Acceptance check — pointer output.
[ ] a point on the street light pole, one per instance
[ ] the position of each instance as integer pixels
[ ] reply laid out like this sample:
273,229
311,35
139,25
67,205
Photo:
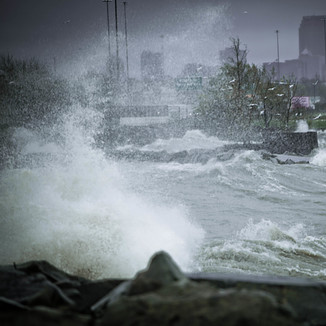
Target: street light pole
126,39
314,84
324,19
116,38
108,21
278,56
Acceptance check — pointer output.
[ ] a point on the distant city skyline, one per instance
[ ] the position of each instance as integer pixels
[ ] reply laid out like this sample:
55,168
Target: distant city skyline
310,62
75,32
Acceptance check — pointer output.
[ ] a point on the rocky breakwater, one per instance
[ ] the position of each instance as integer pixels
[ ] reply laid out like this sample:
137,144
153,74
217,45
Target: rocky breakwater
279,147
280,142
36,293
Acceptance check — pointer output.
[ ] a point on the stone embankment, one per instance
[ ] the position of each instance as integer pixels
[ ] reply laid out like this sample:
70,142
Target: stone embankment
279,147
37,293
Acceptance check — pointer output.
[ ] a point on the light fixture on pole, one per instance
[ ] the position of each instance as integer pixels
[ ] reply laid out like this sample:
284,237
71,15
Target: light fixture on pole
324,19
108,22
315,84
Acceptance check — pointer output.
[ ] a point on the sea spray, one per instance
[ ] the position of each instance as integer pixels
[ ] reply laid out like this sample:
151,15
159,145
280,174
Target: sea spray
302,126
73,208
193,139
319,158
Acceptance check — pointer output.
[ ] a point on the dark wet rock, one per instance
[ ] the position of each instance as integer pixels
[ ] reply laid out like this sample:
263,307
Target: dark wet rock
46,269
279,147
178,156
37,293
31,290
198,305
44,316
161,271
306,297
92,292
286,159
162,295
40,283
191,156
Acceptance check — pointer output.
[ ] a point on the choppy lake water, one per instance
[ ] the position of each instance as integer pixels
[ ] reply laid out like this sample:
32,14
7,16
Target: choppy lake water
69,203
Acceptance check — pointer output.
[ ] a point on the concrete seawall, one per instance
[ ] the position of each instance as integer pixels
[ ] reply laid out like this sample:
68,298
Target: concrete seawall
300,143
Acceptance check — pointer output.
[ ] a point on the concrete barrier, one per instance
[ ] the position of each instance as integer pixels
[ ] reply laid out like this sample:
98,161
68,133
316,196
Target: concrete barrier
300,143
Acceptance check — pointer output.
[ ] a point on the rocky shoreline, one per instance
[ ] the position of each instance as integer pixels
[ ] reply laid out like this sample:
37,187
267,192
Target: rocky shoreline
37,293
279,147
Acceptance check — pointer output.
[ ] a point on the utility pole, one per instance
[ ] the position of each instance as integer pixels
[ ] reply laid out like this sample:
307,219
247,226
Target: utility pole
278,56
314,84
108,21
324,19
116,38
126,39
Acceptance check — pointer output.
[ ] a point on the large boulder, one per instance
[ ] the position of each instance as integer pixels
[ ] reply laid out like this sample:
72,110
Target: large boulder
37,293
163,295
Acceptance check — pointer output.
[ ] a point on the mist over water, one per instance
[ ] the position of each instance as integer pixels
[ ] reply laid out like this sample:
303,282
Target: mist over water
184,35
65,200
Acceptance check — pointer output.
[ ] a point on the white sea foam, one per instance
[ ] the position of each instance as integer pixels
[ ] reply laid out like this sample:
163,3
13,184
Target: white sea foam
267,230
196,168
193,139
77,213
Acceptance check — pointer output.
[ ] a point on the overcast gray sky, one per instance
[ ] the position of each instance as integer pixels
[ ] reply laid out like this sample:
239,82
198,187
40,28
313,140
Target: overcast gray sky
75,31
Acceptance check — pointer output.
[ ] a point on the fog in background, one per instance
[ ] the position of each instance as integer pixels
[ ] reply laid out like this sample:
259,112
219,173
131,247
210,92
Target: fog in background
71,36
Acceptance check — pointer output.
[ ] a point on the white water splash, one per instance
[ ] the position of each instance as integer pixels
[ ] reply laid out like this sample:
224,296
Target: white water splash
319,158
193,139
302,126
75,211
267,230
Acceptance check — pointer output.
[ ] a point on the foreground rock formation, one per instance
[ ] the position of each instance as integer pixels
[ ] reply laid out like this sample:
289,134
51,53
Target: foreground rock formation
36,293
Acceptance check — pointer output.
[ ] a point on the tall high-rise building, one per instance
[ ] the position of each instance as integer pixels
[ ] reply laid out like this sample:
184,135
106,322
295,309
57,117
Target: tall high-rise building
312,47
311,61
311,36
